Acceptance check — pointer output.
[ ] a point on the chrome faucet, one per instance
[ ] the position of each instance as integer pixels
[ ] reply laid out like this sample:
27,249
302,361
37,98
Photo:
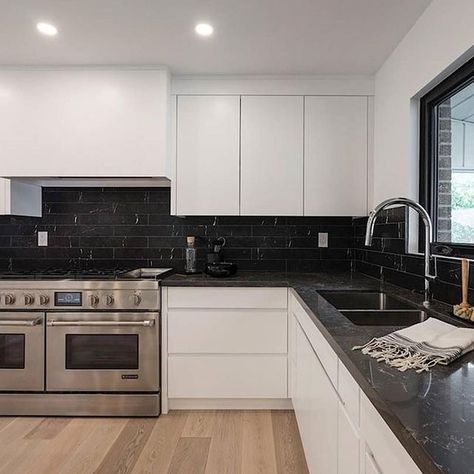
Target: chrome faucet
429,277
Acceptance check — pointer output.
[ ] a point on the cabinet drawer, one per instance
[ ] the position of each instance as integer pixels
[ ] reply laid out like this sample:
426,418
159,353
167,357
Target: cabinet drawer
387,451
349,393
232,298
227,331
322,348
227,376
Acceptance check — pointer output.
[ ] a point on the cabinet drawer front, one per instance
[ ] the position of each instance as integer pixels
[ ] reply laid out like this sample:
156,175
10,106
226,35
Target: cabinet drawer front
227,331
232,298
227,376
387,451
322,348
349,393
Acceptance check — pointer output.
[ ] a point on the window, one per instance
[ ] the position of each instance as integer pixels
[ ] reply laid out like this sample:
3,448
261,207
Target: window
447,160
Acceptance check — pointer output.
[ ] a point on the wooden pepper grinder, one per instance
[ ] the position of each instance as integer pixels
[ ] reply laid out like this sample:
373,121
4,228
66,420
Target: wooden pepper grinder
464,309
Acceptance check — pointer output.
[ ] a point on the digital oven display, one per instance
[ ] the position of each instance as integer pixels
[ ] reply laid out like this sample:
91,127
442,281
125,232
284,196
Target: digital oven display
67,298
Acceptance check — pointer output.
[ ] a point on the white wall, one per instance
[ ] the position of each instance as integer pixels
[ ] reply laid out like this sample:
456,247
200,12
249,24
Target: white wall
441,40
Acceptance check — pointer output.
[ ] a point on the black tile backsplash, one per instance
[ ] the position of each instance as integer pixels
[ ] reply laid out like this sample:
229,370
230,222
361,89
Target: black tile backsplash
387,259
110,228
124,228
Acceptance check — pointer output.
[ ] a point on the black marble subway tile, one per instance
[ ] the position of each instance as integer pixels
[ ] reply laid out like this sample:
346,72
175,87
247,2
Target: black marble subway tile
310,266
111,242
403,279
449,293
368,268
320,221
167,242
76,252
79,208
254,242
335,254
61,195
145,230
113,219
388,260
262,265
22,252
161,219
392,245
147,253
290,254
252,220
270,230
111,195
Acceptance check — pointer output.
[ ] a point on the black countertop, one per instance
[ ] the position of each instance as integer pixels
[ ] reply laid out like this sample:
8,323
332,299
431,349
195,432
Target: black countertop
432,414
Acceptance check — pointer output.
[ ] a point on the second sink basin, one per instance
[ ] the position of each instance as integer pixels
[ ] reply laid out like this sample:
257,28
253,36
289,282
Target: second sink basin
385,318
363,300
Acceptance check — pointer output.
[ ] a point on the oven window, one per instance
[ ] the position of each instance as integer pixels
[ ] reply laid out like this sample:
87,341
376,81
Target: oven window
12,351
102,351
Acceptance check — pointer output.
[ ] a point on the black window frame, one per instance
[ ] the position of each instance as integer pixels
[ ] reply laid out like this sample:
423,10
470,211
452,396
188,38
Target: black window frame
450,86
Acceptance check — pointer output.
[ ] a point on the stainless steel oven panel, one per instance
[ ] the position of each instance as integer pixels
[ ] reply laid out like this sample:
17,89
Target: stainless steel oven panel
143,379
29,328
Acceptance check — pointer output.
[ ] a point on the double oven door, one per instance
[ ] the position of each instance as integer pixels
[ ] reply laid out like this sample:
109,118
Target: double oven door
102,352
22,351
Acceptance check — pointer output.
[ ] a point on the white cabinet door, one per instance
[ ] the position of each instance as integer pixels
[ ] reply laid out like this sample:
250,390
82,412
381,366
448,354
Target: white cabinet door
207,155
272,155
84,123
348,444
335,156
316,408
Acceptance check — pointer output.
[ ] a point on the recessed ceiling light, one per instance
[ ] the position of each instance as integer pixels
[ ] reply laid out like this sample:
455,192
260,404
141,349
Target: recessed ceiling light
204,29
47,29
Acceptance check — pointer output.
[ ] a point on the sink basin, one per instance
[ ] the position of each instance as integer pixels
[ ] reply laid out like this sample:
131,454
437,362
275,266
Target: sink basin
385,318
363,300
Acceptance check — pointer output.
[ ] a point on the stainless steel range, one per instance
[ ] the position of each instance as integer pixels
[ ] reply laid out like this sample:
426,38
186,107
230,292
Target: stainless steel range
86,347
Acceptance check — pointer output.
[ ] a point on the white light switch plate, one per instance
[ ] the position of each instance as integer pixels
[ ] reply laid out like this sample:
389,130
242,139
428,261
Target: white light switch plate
322,239
42,239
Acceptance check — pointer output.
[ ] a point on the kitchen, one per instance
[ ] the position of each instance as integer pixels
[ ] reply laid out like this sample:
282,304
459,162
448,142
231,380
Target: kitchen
209,235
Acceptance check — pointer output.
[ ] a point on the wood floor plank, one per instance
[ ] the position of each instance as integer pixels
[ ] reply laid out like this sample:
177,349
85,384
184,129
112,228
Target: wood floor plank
102,434
14,432
158,451
49,428
200,424
190,456
225,451
290,458
258,448
126,450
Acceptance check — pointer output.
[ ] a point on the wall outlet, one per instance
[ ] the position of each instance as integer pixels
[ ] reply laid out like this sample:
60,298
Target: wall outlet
322,239
42,239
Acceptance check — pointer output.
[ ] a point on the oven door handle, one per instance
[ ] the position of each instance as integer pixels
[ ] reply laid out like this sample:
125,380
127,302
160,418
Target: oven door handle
146,323
20,322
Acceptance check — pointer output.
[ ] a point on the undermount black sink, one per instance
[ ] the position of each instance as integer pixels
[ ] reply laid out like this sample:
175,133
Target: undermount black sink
385,318
359,300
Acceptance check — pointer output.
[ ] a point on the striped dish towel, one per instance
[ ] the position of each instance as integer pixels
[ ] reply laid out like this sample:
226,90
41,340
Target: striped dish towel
421,346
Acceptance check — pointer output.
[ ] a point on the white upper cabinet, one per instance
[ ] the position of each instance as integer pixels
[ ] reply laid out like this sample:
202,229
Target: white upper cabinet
272,155
335,156
84,123
207,167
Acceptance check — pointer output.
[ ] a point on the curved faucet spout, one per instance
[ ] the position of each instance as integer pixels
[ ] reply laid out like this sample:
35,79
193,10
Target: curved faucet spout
401,201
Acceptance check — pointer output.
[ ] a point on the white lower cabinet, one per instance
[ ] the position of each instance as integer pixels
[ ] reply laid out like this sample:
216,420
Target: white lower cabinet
340,429
316,407
225,344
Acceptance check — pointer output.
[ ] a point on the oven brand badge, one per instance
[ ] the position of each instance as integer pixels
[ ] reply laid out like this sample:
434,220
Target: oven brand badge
129,376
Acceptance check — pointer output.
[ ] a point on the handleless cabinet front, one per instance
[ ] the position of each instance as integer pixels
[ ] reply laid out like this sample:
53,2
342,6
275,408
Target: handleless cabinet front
207,165
272,156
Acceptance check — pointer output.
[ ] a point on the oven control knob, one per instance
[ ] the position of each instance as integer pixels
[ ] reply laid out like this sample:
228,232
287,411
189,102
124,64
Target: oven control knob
137,299
94,300
9,299
109,300
44,300
29,300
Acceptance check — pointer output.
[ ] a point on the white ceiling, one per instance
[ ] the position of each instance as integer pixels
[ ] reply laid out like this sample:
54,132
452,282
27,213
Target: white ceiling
251,36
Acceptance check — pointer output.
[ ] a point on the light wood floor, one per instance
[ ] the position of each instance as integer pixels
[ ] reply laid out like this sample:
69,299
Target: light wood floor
183,442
